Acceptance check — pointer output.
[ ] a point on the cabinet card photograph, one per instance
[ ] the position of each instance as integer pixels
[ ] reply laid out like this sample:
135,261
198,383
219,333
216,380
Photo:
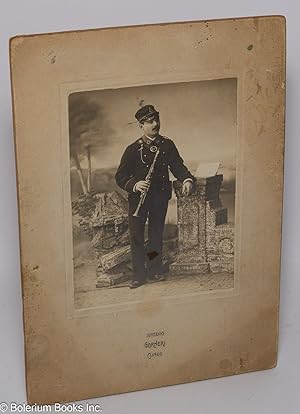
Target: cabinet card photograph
152,172
150,184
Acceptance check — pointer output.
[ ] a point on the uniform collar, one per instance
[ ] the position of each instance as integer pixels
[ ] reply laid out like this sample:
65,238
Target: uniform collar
150,141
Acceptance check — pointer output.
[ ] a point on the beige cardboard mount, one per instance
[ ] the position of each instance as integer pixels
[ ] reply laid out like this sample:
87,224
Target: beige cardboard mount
74,354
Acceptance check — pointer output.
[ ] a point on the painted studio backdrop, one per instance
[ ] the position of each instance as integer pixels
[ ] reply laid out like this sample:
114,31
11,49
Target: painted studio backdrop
201,118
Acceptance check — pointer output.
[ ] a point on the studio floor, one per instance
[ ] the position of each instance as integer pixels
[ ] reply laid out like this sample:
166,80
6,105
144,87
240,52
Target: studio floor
87,295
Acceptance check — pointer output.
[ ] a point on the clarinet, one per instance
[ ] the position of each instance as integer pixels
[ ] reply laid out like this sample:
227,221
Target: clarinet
144,193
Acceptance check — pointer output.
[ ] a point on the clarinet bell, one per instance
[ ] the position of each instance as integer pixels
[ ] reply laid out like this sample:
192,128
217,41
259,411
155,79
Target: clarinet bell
136,214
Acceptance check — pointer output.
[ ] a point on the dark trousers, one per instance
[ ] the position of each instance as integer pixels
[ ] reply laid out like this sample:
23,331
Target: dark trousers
155,209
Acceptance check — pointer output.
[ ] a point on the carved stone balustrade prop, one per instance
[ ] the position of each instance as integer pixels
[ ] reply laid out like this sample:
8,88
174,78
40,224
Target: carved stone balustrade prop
205,238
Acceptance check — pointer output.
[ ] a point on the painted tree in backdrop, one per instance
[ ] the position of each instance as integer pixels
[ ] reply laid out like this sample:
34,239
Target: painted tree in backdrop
89,132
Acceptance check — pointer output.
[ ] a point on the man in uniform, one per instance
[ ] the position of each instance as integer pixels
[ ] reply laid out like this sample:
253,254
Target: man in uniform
130,176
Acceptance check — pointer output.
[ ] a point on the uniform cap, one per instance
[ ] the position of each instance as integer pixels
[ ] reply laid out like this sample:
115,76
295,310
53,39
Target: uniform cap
146,112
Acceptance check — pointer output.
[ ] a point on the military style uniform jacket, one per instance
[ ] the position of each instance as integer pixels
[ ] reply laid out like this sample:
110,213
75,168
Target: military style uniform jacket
137,160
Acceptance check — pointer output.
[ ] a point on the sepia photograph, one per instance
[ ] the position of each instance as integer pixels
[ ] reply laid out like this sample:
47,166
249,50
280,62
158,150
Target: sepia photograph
152,172
150,203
